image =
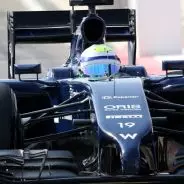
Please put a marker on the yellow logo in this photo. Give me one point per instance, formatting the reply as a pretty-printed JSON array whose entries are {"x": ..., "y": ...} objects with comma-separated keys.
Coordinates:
[{"x": 102, "y": 48}]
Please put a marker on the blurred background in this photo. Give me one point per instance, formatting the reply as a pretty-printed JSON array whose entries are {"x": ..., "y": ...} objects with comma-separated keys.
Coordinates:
[{"x": 49, "y": 55}]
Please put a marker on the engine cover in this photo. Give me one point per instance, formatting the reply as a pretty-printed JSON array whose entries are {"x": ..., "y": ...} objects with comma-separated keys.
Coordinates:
[{"x": 122, "y": 113}]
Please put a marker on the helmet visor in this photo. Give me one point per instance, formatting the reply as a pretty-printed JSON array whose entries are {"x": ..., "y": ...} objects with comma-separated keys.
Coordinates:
[{"x": 100, "y": 70}]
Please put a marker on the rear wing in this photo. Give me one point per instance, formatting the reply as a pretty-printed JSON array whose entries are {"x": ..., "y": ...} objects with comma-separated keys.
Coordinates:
[{"x": 41, "y": 27}]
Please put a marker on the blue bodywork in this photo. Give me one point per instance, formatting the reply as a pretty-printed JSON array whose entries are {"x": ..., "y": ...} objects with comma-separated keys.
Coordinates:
[
  {"x": 123, "y": 98},
  {"x": 121, "y": 109}
]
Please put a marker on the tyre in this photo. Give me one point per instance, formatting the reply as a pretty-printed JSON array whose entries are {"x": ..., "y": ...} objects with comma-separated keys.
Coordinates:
[{"x": 8, "y": 116}]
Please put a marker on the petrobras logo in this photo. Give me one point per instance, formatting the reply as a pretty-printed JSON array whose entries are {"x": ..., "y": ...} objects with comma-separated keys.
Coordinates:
[
  {"x": 133, "y": 116},
  {"x": 118, "y": 97},
  {"x": 134, "y": 107}
]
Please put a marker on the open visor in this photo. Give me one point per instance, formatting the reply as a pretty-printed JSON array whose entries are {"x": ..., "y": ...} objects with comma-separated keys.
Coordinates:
[{"x": 100, "y": 70}]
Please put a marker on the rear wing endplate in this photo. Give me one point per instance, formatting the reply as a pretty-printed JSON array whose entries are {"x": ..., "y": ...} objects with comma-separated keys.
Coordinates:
[{"x": 30, "y": 27}]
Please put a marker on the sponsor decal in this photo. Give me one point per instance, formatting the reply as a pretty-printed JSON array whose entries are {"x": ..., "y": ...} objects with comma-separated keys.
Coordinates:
[
  {"x": 136, "y": 116},
  {"x": 128, "y": 136},
  {"x": 118, "y": 97},
  {"x": 134, "y": 107},
  {"x": 102, "y": 48}
]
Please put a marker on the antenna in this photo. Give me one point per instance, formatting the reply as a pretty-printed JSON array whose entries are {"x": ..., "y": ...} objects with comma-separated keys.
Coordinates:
[
  {"x": 114, "y": 81},
  {"x": 110, "y": 72}
]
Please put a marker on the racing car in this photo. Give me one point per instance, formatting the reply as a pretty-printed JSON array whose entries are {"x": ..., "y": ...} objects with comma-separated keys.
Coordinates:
[{"x": 111, "y": 126}]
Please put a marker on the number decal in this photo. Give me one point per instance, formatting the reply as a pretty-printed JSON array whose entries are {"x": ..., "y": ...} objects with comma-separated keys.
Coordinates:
[{"x": 128, "y": 124}]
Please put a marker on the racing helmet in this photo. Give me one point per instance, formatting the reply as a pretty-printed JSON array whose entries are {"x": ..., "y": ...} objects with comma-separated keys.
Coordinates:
[{"x": 99, "y": 60}]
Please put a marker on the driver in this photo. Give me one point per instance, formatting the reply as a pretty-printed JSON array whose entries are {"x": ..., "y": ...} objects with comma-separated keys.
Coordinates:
[{"x": 97, "y": 61}]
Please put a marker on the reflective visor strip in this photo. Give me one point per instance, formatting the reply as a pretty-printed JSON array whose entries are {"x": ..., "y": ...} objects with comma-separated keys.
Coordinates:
[
  {"x": 100, "y": 57},
  {"x": 100, "y": 69}
]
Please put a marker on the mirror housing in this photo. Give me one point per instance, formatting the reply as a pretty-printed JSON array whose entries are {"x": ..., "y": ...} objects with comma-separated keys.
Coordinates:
[{"x": 27, "y": 69}]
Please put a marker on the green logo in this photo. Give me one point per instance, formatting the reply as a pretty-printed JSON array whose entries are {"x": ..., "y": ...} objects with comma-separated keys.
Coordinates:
[{"x": 102, "y": 48}]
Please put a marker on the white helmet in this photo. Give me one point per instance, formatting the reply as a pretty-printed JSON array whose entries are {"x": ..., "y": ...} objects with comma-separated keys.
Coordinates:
[{"x": 99, "y": 60}]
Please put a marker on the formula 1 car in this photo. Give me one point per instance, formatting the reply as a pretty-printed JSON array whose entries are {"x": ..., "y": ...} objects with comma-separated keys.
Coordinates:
[{"x": 66, "y": 129}]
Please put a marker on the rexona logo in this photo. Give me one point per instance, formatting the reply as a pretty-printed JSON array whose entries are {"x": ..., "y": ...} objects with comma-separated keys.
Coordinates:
[
  {"x": 118, "y": 97},
  {"x": 134, "y": 107},
  {"x": 135, "y": 116}
]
